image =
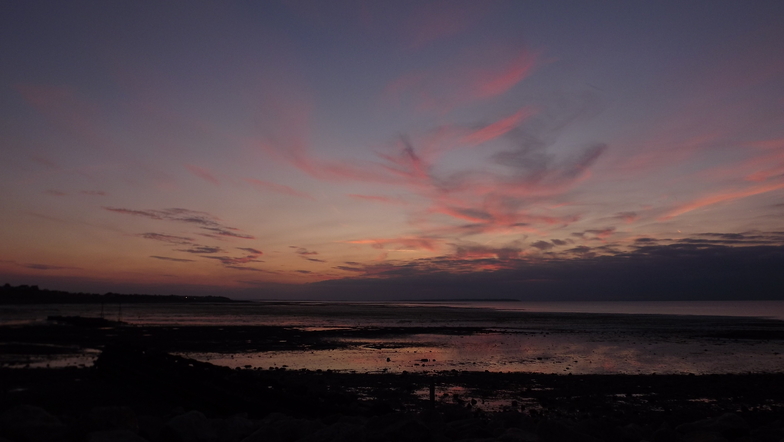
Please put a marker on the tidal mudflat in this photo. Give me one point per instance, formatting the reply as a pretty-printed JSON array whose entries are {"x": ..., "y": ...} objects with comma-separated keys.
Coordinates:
[
  {"x": 337, "y": 371},
  {"x": 364, "y": 337}
]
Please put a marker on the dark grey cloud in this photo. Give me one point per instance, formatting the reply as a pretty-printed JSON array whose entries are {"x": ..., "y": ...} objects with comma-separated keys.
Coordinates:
[
  {"x": 171, "y": 239},
  {"x": 247, "y": 269},
  {"x": 250, "y": 250},
  {"x": 203, "y": 220},
  {"x": 679, "y": 271},
  {"x": 477, "y": 250},
  {"x": 218, "y": 232},
  {"x": 46, "y": 267},
  {"x": 166, "y": 258},
  {"x": 559, "y": 242},
  {"x": 315, "y": 259},
  {"x": 303, "y": 271},
  {"x": 594, "y": 233},
  {"x": 542, "y": 245},
  {"x": 529, "y": 158},
  {"x": 350, "y": 269},
  {"x": 232, "y": 261},
  {"x": 197, "y": 249},
  {"x": 580, "y": 250}
]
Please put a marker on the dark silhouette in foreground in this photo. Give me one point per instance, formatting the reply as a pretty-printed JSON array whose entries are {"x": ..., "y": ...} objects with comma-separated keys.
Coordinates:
[{"x": 136, "y": 394}]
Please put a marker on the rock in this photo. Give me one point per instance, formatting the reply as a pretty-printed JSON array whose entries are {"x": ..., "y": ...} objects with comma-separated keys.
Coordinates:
[
  {"x": 235, "y": 429},
  {"x": 192, "y": 426},
  {"x": 150, "y": 426},
  {"x": 265, "y": 433},
  {"x": 554, "y": 431},
  {"x": 518, "y": 435},
  {"x": 278, "y": 427},
  {"x": 630, "y": 432},
  {"x": 665, "y": 433},
  {"x": 704, "y": 436},
  {"x": 30, "y": 423},
  {"x": 729, "y": 425},
  {"x": 410, "y": 430},
  {"x": 339, "y": 432},
  {"x": 768, "y": 433},
  {"x": 467, "y": 428},
  {"x": 115, "y": 436},
  {"x": 113, "y": 418}
]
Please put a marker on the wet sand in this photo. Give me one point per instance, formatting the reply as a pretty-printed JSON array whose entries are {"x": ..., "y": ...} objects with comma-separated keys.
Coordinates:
[
  {"x": 387, "y": 358},
  {"x": 395, "y": 338}
]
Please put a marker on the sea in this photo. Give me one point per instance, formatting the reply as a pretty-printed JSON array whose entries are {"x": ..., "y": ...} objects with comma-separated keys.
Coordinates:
[{"x": 539, "y": 337}]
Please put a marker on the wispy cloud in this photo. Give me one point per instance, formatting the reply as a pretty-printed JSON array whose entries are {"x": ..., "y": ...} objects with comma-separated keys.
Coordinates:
[
  {"x": 166, "y": 258},
  {"x": 493, "y": 83},
  {"x": 378, "y": 199},
  {"x": 203, "y": 173},
  {"x": 204, "y": 220},
  {"x": 46, "y": 267},
  {"x": 350, "y": 269},
  {"x": 250, "y": 250},
  {"x": 171, "y": 239},
  {"x": 199, "y": 250},
  {"x": 725, "y": 196},
  {"x": 498, "y": 128},
  {"x": 230, "y": 261},
  {"x": 93, "y": 192},
  {"x": 404, "y": 243},
  {"x": 279, "y": 188}
]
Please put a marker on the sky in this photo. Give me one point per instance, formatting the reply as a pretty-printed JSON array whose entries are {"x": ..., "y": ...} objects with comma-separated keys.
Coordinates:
[{"x": 355, "y": 149}]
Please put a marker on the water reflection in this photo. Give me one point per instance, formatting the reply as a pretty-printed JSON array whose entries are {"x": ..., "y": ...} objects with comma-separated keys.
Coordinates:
[{"x": 503, "y": 352}]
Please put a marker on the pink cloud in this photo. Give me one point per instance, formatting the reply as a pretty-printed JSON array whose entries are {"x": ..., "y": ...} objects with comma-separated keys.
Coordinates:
[
  {"x": 719, "y": 198},
  {"x": 377, "y": 198},
  {"x": 203, "y": 173},
  {"x": 477, "y": 74},
  {"x": 428, "y": 244},
  {"x": 438, "y": 21},
  {"x": 499, "y": 128},
  {"x": 279, "y": 188},
  {"x": 493, "y": 83}
]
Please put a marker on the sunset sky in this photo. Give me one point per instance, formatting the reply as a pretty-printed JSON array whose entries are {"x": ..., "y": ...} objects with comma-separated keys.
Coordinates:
[{"x": 396, "y": 150}]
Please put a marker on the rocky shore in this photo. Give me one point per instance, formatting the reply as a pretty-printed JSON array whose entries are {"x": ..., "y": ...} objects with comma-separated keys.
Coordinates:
[{"x": 136, "y": 394}]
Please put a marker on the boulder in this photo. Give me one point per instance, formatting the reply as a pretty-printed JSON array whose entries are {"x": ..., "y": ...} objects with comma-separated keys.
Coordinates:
[
  {"x": 555, "y": 431},
  {"x": 192, "y": 426},
  {"x": 339, "y": 432},
  {"x": 30, "y": 423},
  {"x": 518, "y": 435},
  {"x": 115, "y": 436},
  {"x": 728, "y": 425},
  {"x": 235, "y": 429},
  {"x": 113, "y": 418}
]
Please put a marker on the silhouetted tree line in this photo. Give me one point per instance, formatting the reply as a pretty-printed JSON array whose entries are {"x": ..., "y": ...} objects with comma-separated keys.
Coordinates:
[{"x": 32, "y": 294}]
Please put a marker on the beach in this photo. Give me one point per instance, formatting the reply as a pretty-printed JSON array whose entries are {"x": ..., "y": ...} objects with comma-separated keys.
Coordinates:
[{"x": 495, "y": 370}]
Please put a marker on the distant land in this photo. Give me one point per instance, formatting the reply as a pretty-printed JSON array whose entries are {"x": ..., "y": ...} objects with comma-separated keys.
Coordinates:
[
  {"x": 31, "y": 294},
  {"x": 463, "y": 300}
]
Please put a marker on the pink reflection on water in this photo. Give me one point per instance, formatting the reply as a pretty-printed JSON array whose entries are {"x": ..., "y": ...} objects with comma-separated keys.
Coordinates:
[{"x": 552, "y": 354}]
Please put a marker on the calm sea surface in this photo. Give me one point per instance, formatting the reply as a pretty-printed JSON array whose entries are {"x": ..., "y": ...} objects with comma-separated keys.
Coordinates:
[{"x": 556, "y": 337}]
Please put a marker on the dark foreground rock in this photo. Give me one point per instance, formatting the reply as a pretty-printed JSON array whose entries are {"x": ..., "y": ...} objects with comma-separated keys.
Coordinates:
[
  {"x": 135, "y": 394},
  {"x": 425, "y": 426}
]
